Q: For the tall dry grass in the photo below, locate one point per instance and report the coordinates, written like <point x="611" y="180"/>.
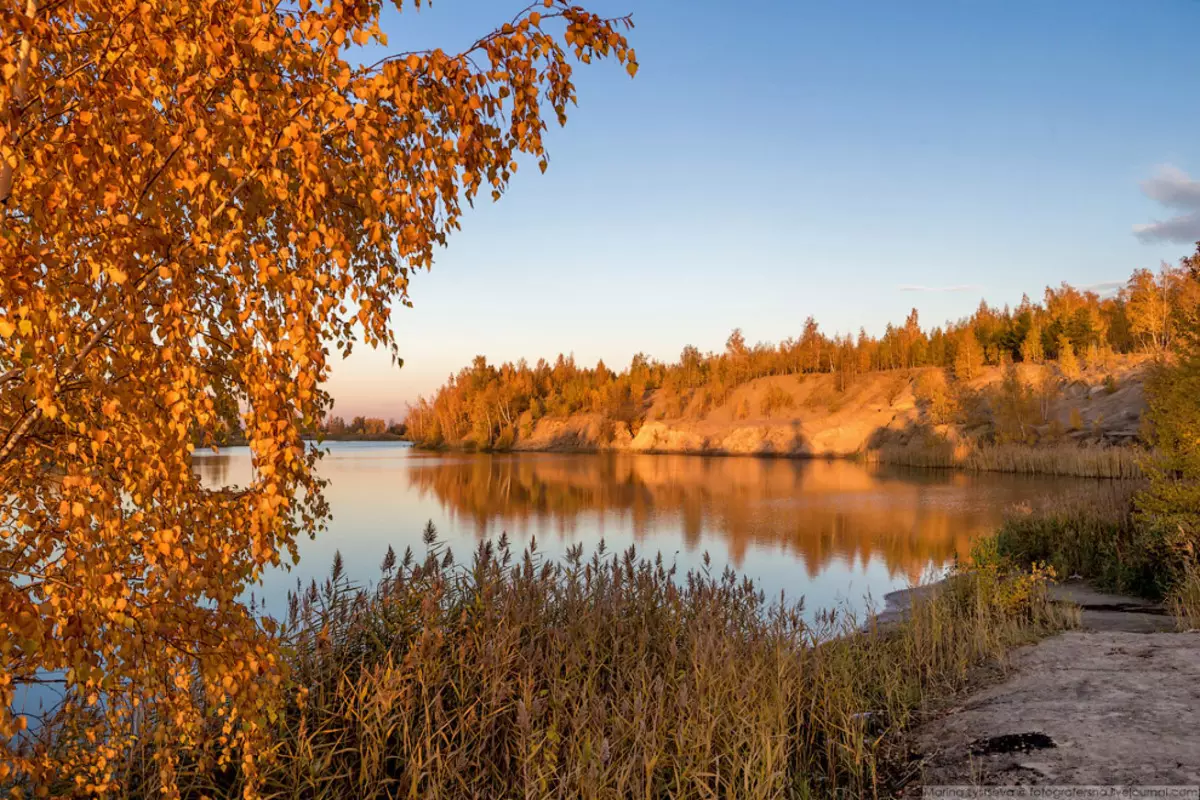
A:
<point x="606" y="677"/>
<point x="1081" y="461"/>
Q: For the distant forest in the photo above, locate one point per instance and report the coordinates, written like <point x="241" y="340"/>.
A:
<point x="229" y="431"/>
<point x="360" y="427"/>
<point x="491" y="406"/>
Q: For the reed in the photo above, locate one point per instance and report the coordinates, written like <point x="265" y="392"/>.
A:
<point x="1081" y="461"/>
<point x="608" y="677"/>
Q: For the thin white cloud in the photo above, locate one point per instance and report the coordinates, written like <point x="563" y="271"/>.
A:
<point x="1105" y="287"/>
<point x="1171" y="187"/>
<point x="965" y="287"/>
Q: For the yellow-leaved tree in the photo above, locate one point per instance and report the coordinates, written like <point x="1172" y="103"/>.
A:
<point x="199" y="201"/>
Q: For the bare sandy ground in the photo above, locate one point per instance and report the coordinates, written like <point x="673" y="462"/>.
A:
<point x="1116" y="702"/>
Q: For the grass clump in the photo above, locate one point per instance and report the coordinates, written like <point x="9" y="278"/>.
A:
<point x="1183" y="600"/>
<point x="607" y="677"/>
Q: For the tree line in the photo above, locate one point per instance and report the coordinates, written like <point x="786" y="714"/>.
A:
<point x="491" y="406"/>
<point x="335" y="426"/>
<point x="231" y="431"/>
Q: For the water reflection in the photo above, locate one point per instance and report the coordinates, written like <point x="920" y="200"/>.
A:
<point x="833" y="531"/>
<point x="815" y="511"/>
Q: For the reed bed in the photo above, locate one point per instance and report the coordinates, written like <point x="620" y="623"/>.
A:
<point x="1080" y="461"/>
<point x="610" y="676"/>
<point x="1093" y="536"/>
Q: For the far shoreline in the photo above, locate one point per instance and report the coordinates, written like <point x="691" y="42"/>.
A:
<point x="241" y="441"/>
<point x="1074" y="461"/>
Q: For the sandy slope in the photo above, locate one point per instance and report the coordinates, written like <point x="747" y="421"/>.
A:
<point x="874" y="410"/>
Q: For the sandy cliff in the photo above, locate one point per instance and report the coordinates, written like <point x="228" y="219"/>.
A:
<point x="874" y="411"/>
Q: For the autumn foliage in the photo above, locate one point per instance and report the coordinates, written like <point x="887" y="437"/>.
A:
<point x="1170" y="508"/>
<point x="486" y="406"/>
<point x="200" y="201"/>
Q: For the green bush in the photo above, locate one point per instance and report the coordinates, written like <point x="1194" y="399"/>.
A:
<point x="1104" y="541"/>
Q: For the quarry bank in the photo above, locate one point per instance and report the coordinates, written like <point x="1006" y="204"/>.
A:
<point x="879" y="413"/>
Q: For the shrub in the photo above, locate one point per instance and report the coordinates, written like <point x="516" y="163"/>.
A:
<point x="1097" y="540"/>
<point x="525" y="425"/>
<point x="505" y="440"/>
<point x="776" y="399"/>
<point x="933" y="391"/>
<point x="1015" y="409"/>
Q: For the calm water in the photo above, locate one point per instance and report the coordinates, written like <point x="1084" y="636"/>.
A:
<point x="834" y="532"/>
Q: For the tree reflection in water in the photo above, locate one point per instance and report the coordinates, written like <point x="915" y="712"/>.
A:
<point x="818" y="510"/>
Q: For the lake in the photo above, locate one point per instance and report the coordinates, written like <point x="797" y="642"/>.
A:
<point x="833" y="532"/>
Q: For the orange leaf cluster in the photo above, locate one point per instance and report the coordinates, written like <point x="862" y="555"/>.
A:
<point x="201" y="199"/>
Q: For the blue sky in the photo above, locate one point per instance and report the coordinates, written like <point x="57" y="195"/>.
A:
<point x="778" y="159"/>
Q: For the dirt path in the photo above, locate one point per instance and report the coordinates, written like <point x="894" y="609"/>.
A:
<point x="1116" y="702"/>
